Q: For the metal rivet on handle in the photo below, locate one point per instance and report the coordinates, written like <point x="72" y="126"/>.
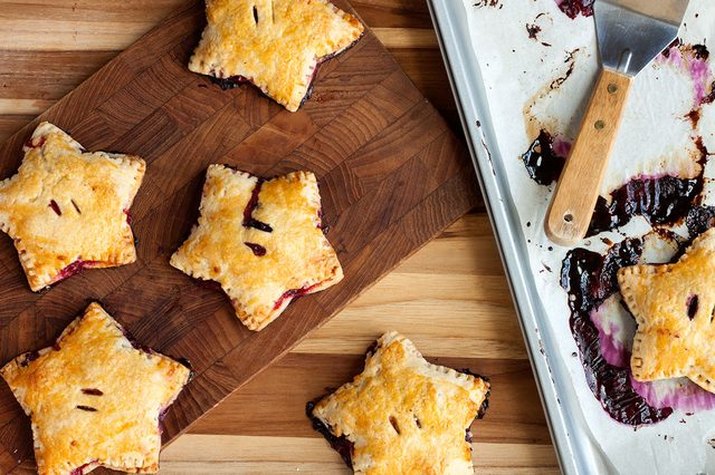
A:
<point x="568" y="218"/>
<point x="599" y="124"/>
<point x="612" y="88"/>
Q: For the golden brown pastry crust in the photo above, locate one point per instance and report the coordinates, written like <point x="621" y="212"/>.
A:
<point x="66" y="206"/>
<point x="297" y="257"/>
<point x="280" y="50"/>
<point x="663" y="298"/>
<point x="403" y="414"/>
<point x="94" y="399"/>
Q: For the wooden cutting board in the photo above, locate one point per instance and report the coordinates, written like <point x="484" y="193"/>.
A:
<point x="392" y="176"/>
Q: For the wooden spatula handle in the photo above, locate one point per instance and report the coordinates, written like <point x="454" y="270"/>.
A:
<point x="576" y="194"/>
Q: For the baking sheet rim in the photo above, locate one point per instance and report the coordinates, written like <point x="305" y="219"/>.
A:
<point x="577" y="452"/>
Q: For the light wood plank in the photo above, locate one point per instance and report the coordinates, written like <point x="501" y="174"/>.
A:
<point x="80" y="35"/>
<point x="212" y="454"/>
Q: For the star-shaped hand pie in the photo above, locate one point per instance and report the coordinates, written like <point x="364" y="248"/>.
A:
<point x="261" y="240"/>
<point x="674" y="306"/>
<point x="275" y="44"/>
<point x="403" y="414"/>
<point x="94" y="399"/>
<point x="67" y="209"/>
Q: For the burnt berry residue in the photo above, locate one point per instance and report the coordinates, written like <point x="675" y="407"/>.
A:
<point x="542" y="163"/>
<point x="574" y="8"/>
<point x="590" y="278"/>
<point x="533" y="30"/>
<point x="700" y="219"/>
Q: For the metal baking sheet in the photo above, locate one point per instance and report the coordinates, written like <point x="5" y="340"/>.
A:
<point x="576" y="453"/>
<point x="506" y="68"/>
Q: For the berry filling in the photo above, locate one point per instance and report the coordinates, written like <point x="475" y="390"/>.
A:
<point x="75" y="268"/>
<point x="248" y="220"/>
<point x="294" y="294"/>
<point x="81" y="470"/>
<point x="341" y="444"/>
<point x="129" y="216"/>
<point x="230" y="82"/>
<point x="92" y="392"/>
<point x="87" y="408"/>
<point x="36" y="143"/>
<point x="257" y="249"/>
<point x="29" y="358"/>
<point x="55" y="207"/>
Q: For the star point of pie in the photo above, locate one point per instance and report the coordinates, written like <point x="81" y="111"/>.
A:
<point x="262" y="241"/>
<point x="94" y="399"/>
<point x="67" y="209"/>
<point x="674" y="306"/>
<point x="403" y="414"/>
<point x="275" y="44"/>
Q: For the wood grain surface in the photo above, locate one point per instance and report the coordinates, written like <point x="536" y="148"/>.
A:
<point x="451" y="297"/>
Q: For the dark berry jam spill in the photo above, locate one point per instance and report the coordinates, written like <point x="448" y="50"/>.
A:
<point x="590" y="278"/>
<point x="542" y="163"/>
<point x="87" y="408"/>
<point x="248" y="220"/>
<point x="340" y="444"/>
<point x="660" y="200"/>
<point x="574" y="8"/>
<point x="55" y="207"/>
<point x="257" y="249"/>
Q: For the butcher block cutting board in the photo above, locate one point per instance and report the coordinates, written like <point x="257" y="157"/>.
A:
<point x="392" y="177"/>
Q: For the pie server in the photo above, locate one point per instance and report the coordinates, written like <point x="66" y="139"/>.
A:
<point x="630" y="34"/>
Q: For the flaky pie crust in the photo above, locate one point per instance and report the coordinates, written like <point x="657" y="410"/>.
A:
<point x="403" y="414"/>
<point x="662" y="298"/>
<point x="95" y="400"/>
<point x="275" y="44"/>
<point x="297" y="254"/>
<point x="65" y="205"/>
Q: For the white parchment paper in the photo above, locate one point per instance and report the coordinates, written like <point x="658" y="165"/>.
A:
<point x="656" y="138"/>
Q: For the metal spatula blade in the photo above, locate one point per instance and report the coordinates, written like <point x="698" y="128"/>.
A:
<point x="631" y="33"/>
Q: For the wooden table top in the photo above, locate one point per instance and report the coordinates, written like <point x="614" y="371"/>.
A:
<point x="451" y="298"/>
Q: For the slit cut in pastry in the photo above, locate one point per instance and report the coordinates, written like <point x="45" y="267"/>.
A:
<point x="674" y="306"/>
<point x="403" y="414"/>
<point x="274" y="44"/>
<point x="67" y="209"/>
<point x="261" y="240"/>
<point x="95" y="398"/>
